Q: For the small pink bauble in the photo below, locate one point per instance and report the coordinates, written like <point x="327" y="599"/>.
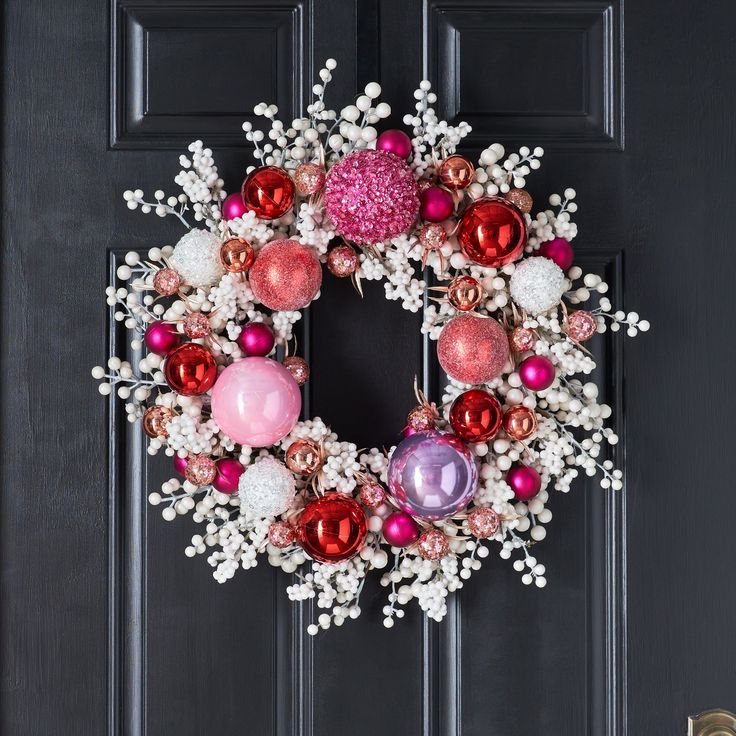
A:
<point x="396" y="142"/>
<point x="229" y="471"/>
<point x="233" y="206"/>
<point x="435" y="204"/>
<point x="524" y="481"/>
<point x="256" y="338"/>
<point x="161" y="338"/>
<point x="537" y="372"/>
<point x="180" y="464"/>
<point x="400" y="529"/>
<point x="558" y="250"/>
<point x="256" y="402"/>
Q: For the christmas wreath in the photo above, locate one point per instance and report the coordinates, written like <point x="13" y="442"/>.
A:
<point x="218" y="388"/>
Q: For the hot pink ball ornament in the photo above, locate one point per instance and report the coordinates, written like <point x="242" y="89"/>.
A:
<point x="400" y="529"/>
<point x="161" y="338"/>
<point x="396" y="142"/>
<point x="524" y="481"/>
<point x="558" y="250"/>
<point x="256" y="339"/>
<point x="180" y="464"/>
<point x="537" y="372"/>
<point x="229" y="471"/>
<point x="233" y="206"/>
<point x="256" y="401"/>
<point x="435" y="204"/>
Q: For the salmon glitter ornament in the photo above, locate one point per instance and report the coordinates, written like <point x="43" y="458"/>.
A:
<point x="580" y="325"/>
<point x="309" y="178"/>
<point x="298" y="367"/>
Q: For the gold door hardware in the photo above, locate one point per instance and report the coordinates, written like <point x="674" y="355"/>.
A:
<point x="712" y="723"/>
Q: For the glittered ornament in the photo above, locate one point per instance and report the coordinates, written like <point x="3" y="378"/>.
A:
<point x="269" y="192"/>
<point x="519" y="423"/>
<point x="435" y="204"/>
<point x="256" y="338"/>
<point x="196" y="325"/>
<point x="483" y="522"/>
<point x="472" y="349"/>
<point x="400" y="530"/>
<point x="166" y="281"/>
<point x="228" y="475"/>
<point x="332" y="528"/>
<point x="432" y="475"/>
<point x="558" y="250"/>
<point x="233" y="206"/>
<point x="464" y="293"/>
<point x="524" y="481"/>
<point x="237" y="255"/>
<point x="155" y="419"/>
<point x="190" y="370"/>
<point x="161" y="337"/>
<point x="421" y="417"/>
<point x="521" y="339"/>
<point x="456" y="172"/>
<point x="201" y="470"/>
<point x="537" y="372"/>
<point x="286" y="275"/>
<point x="537" y="285"/>
<point x="266" y="488"/>
<point x="281" y="534"/>
<point x="492" y="232"/>
<point x="396" y="142"/>
<point x="371" y="196"/>
<point x="432" y="236"/>
<point x="521" y="199"/>
<point x="433" y="545"/>
<point x="309" y="178"/>
<point x="475" y="416"/>
<point x="303" y="457"/>
<point x="342" y="261"/>
<point x="580" y="325"/>
<point x="371" y="495"/>
<point x="298" y="367"/>
<point x="196" y="258"/>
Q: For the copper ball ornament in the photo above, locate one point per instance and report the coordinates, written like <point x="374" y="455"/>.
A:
<point x="464" y="293"/>
<point x="475" y="416"/>
<point x="519" y="423"/>
<point x="332" y="528"/>
<point x="298" y="367"/>
<point x="456" y="172"/>
<point x="167" y="281"/>
<point x="269" y="192"/>
<point x="521" y="198"/>
<point x="190" y="370"/>
<point x="580" y="325"/>
<point x="155" y="419"/>
<point x="342" y="261"/>
<point x="237" y="255"/>
<point x="309" y="178"/>
<point x="492" y="232"/>
<point x="303" y="457"/>
<point x="201" y="470"/>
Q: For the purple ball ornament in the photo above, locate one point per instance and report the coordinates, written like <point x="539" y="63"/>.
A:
<point x="400" y="530"/>
<point x="180" y="464"/>
<point x="396" y="142"/>
<point x="229" y="471"/>
<point x="537" y="372"/>
<point x="435" y="204"/>
<point x="256" y="339"/>
<point x="524" y="481"/>
<point x="432" y="475"/>
<point x="233" y="206"/>
<point x="161" y="338"/>
<point x="558" y="250"/>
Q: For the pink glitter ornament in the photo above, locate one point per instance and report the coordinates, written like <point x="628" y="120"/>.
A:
<point x="396" y="142"/>
<point x="432" y="236"/>
<point x="436" y="204"/>
<point x="433" y="545"/>
<point x="233" y="206"/>
<point x="524" y="481"/>
<point x="298" y="367"/>
<point x="371" y="196"/>
<point x="558" y="250"/>
<point x="342" y="261"/>
<point x="309" y="179"/>
<point x="521" y="339"/>
<point x="421" y="418"/>
<point x="166" y="281"/>
<point x="229" y="471"/>
<point x="161" y="337"/>
<point x="483" y="522"/>
<point x="256" y="338"/>
<point x="537" y="372"/>
<point x="580" y="325"/>
<point x="197" y="325"/>
<point x="400" y="529"/>
<point x="372" y="495"/>
<point x="201" y="470"/>
<point x="281" y="534"/>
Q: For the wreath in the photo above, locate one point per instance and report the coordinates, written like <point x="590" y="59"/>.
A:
<point x="516" y="421"/>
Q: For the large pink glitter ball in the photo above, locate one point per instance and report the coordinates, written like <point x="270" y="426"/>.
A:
<point x="472" y="349"/>
<point x="371" y="196"/>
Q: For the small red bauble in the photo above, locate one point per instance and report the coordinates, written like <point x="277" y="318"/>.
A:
<point x="520" y="423"/>
<point x="475" y="416"/>
<point x="435" y="204"/>
<point x="492" y="232"/>
<point x="332" y="528"/>
<point x="190" y="370"/>
<point x="269" y="192"/>
<point x="537" y="372"/>
<point x="558" y="250"/>
<point x="524" y="481"/>
<point x="237" y="255"/>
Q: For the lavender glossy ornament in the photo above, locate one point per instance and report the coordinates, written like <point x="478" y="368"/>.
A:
<point x="432" y="475"/>
<point x="229" y="471"/>
<point x="537" y="372"/>
<point x="400" y="530"/>
<point x="396" y="142"/>
<point x="435" y="204"/>
<point x="233" y="206"/>
<point x="256" y="339"/>
<point x="161" y="338"/>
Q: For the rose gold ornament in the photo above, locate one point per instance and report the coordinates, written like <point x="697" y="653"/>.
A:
<point x="303" y="457"/>
<point x="155" y="419"/>
<point x="201" y="470"/>
<point x="433" y="545"/>
<point x="483" y="522"/>
<point x="464" y="293"/>
<point x="166" y="281"/>
<point x="342" y="261"/>
<point x="237" y="255"/>
<point x="521" y="198"/>
<point x="309" y="179"/>
<point x="196" y="325"/>
<point x="519" y="423"/>
<point x="456" y="172"/>
<point x="521" y="339"/>
<point x="421" y="418"/>
<point x="298" y="367"/>
<point x="580" y="325"/>
<point x="372" y="495"/>
<point x="432" y="236"/>
<point x="281" y="534"/>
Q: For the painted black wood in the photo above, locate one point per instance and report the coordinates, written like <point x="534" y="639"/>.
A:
<point x="106" y="628"/>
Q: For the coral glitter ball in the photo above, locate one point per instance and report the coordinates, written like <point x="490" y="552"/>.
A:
<point x="492" y="232"/>
<point x="332" y="528"/>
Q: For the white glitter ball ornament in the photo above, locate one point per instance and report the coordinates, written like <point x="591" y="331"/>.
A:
<point x="196" y="258"/>
<point x="537" y="284"/>
<point x="266" y="489"/>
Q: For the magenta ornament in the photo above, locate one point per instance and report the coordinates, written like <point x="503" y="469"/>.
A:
<point x="161" y="338"/>
<point x="229" y="471"/>
<point x="256" y="401"/>
<point x="558" y="250"/>
<point x="524" y="481"/>
<point x="180" y="464"/>
<point x="256" y="339"/>
<point x="432" y="475"/>
<point x="400" y="530"/>
<point x="537" y="372"/>
<point x="233" y="206"/>
<point x="396" y="142"/>
<point x="435" y="204"/>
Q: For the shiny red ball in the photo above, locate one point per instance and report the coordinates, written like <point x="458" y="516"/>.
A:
<point x="492" y="232"/>
<point x="190" y="370"/>
<point x="332" y="528"/>
<point x="269" y="192"/>
<point x="476" y="416"/>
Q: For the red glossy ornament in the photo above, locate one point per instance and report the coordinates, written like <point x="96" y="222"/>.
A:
<point x="190" y="370"/>
<point x="492" y="232"/>
<point x="269" y="192"/>
<point x="475" y="416"/>
<point x="332" y="528"/>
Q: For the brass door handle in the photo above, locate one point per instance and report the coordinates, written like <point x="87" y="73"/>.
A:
<point x="712" y="723"/>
